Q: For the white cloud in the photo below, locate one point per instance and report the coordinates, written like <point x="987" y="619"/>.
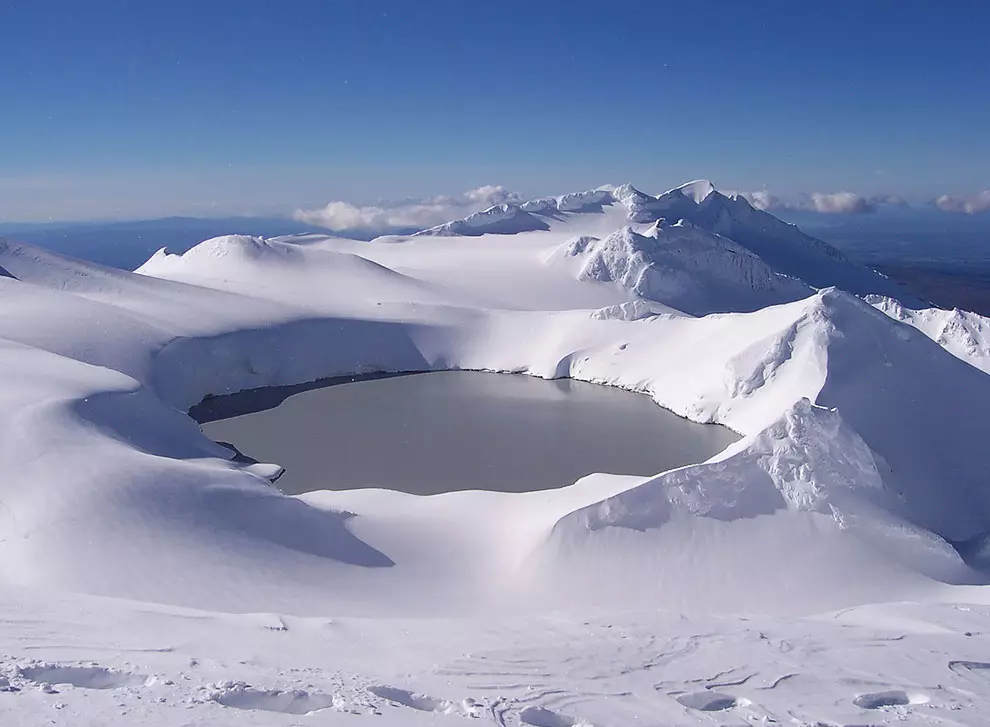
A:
<point x="970" y="206"/>
<point x="845" y="203"/>
<point x="888" y="200"/>
<point x="763" y="200"/>
<point x="404" y="214"/>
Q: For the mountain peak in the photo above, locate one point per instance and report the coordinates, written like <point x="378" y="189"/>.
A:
<point x="698" y="190"/>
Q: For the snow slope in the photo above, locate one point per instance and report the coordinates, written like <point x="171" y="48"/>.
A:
<point x="962" y="333"/>
<point x="175" y="585"/>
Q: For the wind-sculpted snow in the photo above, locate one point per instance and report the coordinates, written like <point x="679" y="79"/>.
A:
<point x="684" y="267"/>
<point x="632" y="311"/>
<point x="806" y="461"/>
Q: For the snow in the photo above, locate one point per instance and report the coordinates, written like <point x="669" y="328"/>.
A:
<point x="590" y="201"/>
<point x="962" y="333"/>
<point x="683" y="267"/>
<point x="502" y="219"/>
<point x="699" y="190"/>
<point x="145" y="577"/>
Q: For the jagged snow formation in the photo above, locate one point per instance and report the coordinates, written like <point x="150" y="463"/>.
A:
<point x="964" y="334"/>
<point x="678" y="264"/>
<point x="860" y="477"/>
<point x="591" y="201"/>
<point x="781" y="245"/>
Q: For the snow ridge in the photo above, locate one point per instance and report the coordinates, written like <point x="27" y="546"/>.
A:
<point x="781" y="246"/>
<point x="808" y="460"/>
<point x="962" y="333"/>
<point x="502" y="219"/>
<point x="685" y="267"/>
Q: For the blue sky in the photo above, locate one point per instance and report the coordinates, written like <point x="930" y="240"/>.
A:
<point x="130" y="109"/>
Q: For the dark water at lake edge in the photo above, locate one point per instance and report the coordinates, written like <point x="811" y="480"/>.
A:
<point x="455" y="430"/>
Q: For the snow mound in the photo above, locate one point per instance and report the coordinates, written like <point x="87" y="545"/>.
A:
<point x="233" y="249"/>
<point x="283" y="267"/>
<point x="502" y="219"/>
<point x="240" y="254"/>
<point x="684" y="267"/>
<point x="245" y="247"/>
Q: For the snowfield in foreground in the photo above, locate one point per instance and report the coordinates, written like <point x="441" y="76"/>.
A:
<point x="826" y="569"/>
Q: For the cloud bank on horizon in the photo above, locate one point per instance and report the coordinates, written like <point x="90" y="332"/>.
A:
<point x="341" y="216"/>
<point x="842" y="203"/>
<point x="850" y="203"/>
<point x="970" y="206"/>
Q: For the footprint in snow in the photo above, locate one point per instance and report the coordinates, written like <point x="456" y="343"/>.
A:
<point x="242" y="696"/>
<point x="889" y="698"/>
<point x="405" y="698"/>
<point x="83" y="677"/>
<point x="542" y="717"/>
<point x="707" y="701"/>
<point x="975" y="668"/>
